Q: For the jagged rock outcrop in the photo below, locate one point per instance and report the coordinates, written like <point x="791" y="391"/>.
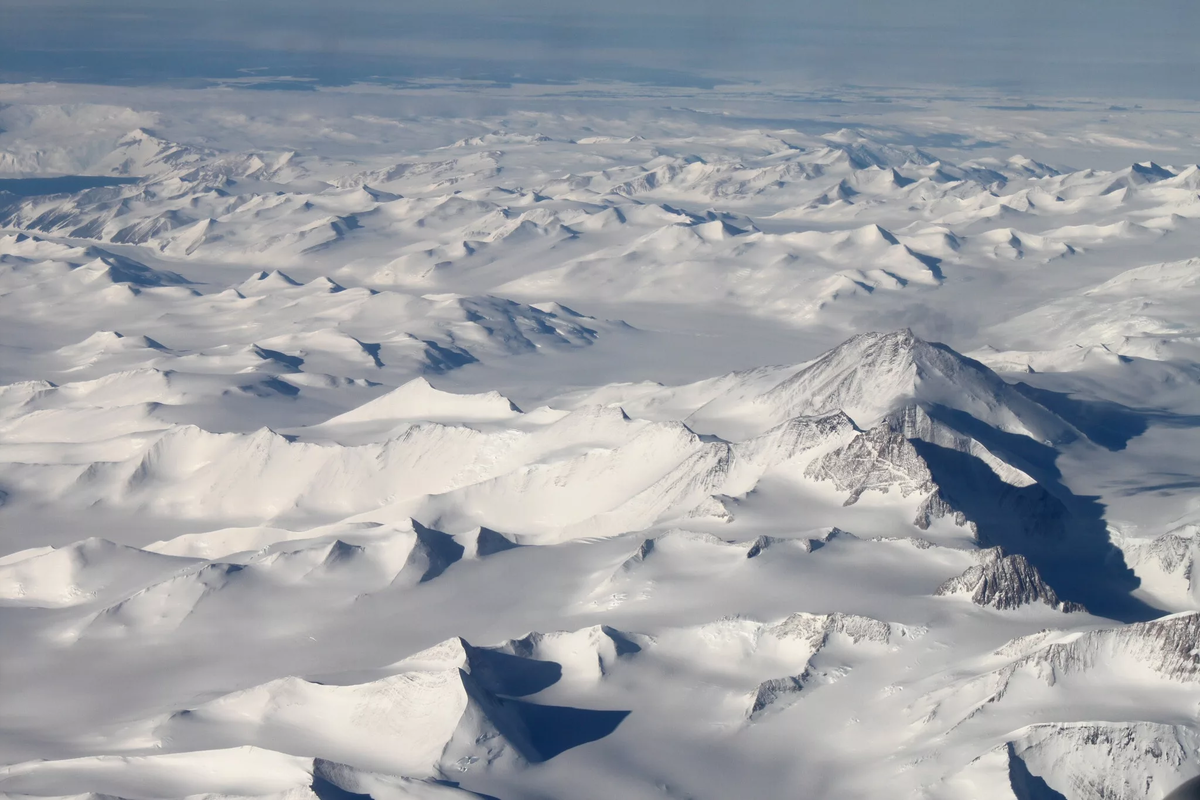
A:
<point x="815" y="632"/>
<point x="771" y="692"/>
<point x="1006" y="582"/>
<point x="913" y="453"/>
<point x="876" y="460"/>
<point x="1175" y="551"/>
<point x="1165" y="647"/>
<point x="816" y="629"/>
<point x="793" y="437"/>
<point x="880" y="460"/>
<point x="1166" y="565"/>
<point x="808" y="545"/>
<point x="1110" y="760"/>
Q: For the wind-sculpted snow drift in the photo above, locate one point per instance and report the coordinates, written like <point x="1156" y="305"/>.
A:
<point x="311" y="485"/>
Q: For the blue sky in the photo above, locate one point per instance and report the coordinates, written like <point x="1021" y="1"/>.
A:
<point x="1096" y="47"/>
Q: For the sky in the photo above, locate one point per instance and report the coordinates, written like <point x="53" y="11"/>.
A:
<point x="1050" y="47"/>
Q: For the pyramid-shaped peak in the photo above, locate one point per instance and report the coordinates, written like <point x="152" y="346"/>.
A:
<point x="1006" y="581"/>
<point x="101" y="339"/>
<point x="325" y="284"/>
<point x="453" y="653"/>
<point x="1151" y="171"/>
<point x="275" y="279"/>
<point x="873" y="374"/>
<point x="873" y="234"/>
<point x="138" y="135"/>
<point x="845" y="136"/>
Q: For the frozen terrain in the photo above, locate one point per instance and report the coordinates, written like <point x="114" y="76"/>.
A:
<point x="597" y="441"/>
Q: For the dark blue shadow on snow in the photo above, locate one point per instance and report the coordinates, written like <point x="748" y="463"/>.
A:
<point x="512" y="676"/>
<point x="555" y="729"/>
<point x="1062" y="534"/>
<point x="1188" y="791"/>
<point x="1108" y="424"/>
<point x="326" y="790"/>
<point x="1026" y="785"/>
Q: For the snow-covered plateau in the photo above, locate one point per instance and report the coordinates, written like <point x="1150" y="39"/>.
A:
<point x="597" y="441"/>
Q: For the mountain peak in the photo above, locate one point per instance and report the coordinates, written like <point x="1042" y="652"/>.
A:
<point x="873" y="374"/>
<point x="1005" y="582"/>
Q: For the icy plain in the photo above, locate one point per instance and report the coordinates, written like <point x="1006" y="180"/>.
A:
<point x="597" y="441"/>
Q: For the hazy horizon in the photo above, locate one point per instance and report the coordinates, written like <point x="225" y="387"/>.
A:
<point x="1070" y="47"/>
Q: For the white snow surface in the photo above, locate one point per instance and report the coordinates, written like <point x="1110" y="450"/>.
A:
<point x="597" y="441"/>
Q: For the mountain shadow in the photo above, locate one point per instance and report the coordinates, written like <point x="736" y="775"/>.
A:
<point x="441" y="549"/>
<point x="1026" y="785"/>
<point x="1035" y="458"/>
<point x="1108" y="424"/>
<point x="325" y="789"/>
<point x="555" y="729"/>
<point x="1060" y="533"/>
<point x="512" y="676"/>
<point x="1188" y="791"/>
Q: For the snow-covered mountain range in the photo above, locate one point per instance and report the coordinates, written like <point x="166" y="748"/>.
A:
<point x="643" y="450"/>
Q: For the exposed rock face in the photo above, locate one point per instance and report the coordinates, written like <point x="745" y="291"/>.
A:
<point x="889" y="456"/>
<point x="1166" y="647"/>
<point x="902" y="387"/>
<point x="1167" y="565"/>
<point x="816" y="631"/>
<point x="883" y="459"/>
<point x="914" y="422"/>
<point x="1110" y="761"/>
<point x="817" y="628"/>
<point x="913" y="453"/>
<point x="1084" y="761"/>
<point x="877" y="460"/>
<point x="760" y="544"/>
<point x="771" y="692"/>
<point x="1005" y="582"/>
<point x="793" y="437"/>
<point x="1176" y="552"/>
